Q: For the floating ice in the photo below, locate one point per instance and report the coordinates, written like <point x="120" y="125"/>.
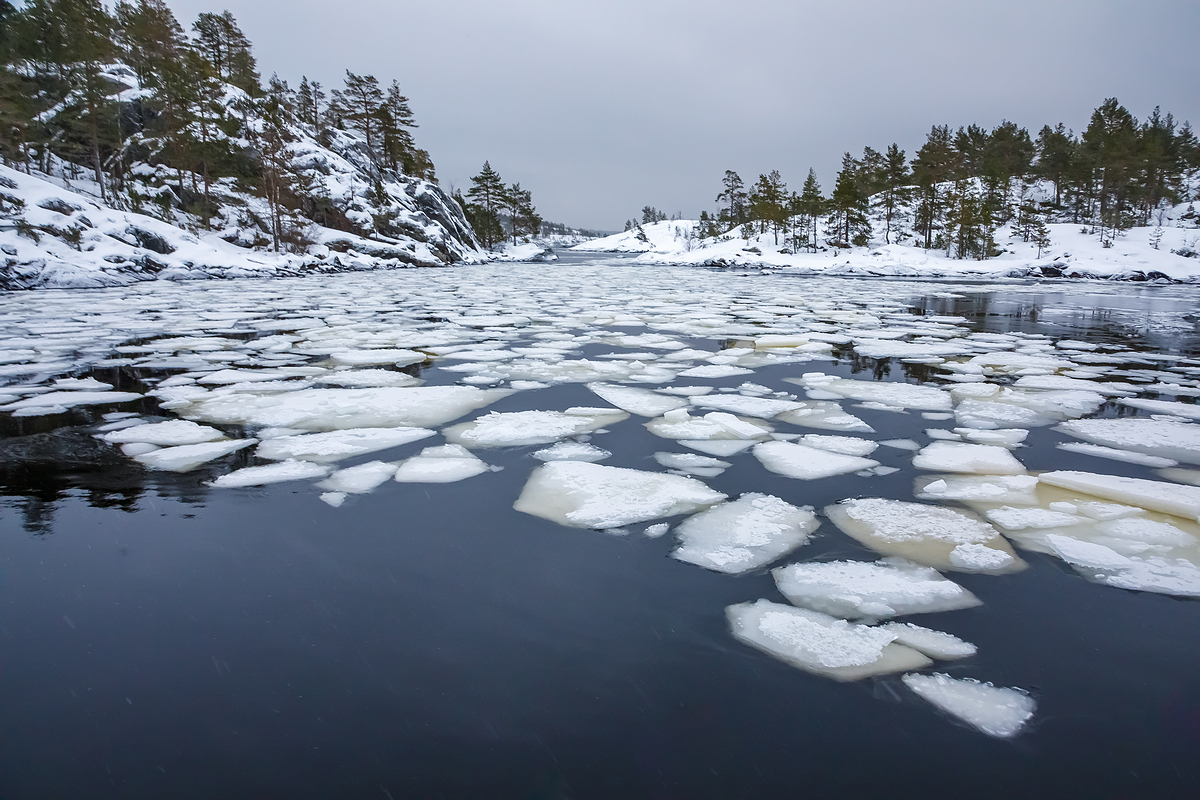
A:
<point x="819" y="643"/>
<point x="572" y="451"/>
<point x="165" y="434"/>
<point x="134" y="449"/>
<point x="334" y="499"/>
<point x="1011" y="518"/>
<point x="700" y="466"/>
<point x="358" y="479"/>
<point x="1186" y="410"/>
<point x="1017" y="489"/>
<point x="1169" y="498"/>
<point x="937" y="537"/>
<point x="901" y="444"/>
<point x="747" y="406"/>
<point x="935" y="644"/>
<point x="642" y="402"/>
<point x="1010" y="438"/>
<point x="825" y="416"/>
<point x="1179" y="441"/>
<point x="517" y="428"/>
<point x="856" y="589"/>
<point x="678" y="424"/>
<point x="67" y="400"/>
<point x="807" y="463"/>
<point x="745" y="534"/>
<point x="971" y="458"/>
<point x="1105" y="565"/>
<point x="595" y="496"/>
<point x="366" y="358"/>
<point x="186" y="458"/>
<point x="992" y="710"/>
<point x="719" y="447"/>
<point x="272" y="473"/>
<point x="341" y="409"/>
<point x="898" y="395"/>
<point x="1112" y="454"/>
<point x="656" y="530"/>
<point x="336" y="445"/>
<point x="846" y="445"/>
<point x="81" y="385"/>
<point x="446" y="464"/>
<point x="714" y="371"/>
<point x="366" y="378"/>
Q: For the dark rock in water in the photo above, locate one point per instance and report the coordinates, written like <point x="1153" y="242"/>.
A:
<point x="66" y="448"/>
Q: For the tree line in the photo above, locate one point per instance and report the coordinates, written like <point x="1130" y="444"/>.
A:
<point x="60" y="75"/>
<point x="962" y="185"/>
<point x="497" y="210"/>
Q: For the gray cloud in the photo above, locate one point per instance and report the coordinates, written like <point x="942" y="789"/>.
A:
<point x="603" y="107"/>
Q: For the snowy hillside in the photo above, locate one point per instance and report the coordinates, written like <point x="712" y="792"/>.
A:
<point x="665" y="237"/>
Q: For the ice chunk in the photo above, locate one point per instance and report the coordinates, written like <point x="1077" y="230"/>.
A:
<point x="341" y="409"/>
<point x="819" y="643"/>
<point x="1012" y="489"/>
<point x="807" y="463"/>
<point x="165" y="434"/>
<point x="972" y="458"/>
<point x="719" y="447"/>
<point x="1169" y="498"/>
<point x="897" y="395"/>
<point x="359" y="479"/>
<point x="517" y="428"/>
<point x="365" y="358"/>
<point x="992" y="710"/>
<point x="1149" y="574"/>
<point x="714" y="371"/>
<point x="901" y="444"/>
<point x="595" y="496"/>
<point x="880" y="589"/>
<point x="1189" y="476"/>
<point x="928" y="535"/>
<point x="825" y="416"/>
<point x="40" y="403"/>
<point x="1179" y="441"/>
<point x="363" y="378"/>
<point x="572" y="451"/>
<point x="1127" y="456"/>
<point x="334" y="499"/>
<point x="846" y="445"/>
<point x="745" y="534"/>
<point x="188" y="457"/>
<point x="82" y="385"/>
<point x="701" y="466"/>
<point x="134" y="449"/>
<point x="272" y="473"/>
<point x="334" y="446"/>
<point x="656" y="530"/>
<point x="445" y="464"/>
<point x="1010" y="437"/>
<point x="935" y="644"/>
<point x="679" y="424"/>
<point x="642" y="402"/>
<point x="761" y="407"/>
<point x="1018" y="519"/>
<point x="1186" y="410"/>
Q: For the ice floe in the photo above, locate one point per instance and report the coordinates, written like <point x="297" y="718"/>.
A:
<point x="572" y="451"/>
<point x="969" y="458"/>
<point x="942" y="538"/>
<point x="679" y="424"/>
<point x="188" y="457"/>
<point x="890" y="587"/>
<point x="583" y="495"/>
<point x="1178" y="441"/>
<point x="744" y="534"/>
<point x="1169" y="498"/>
<point x="998" y="712"/>
<point x="819" y="643"/>
<point x="935" y="644"/>
<point x="272" y="473"/>
<point x="337" y="445"/>
<point x="808" y="463"/>
<point x="642" y="402"/>
<point x="165" y="434"/>
<point x="359" y="479"/>
<point x="518" y="428"/>
<point x="691" y="464"/>
<point x="446" y="464"/>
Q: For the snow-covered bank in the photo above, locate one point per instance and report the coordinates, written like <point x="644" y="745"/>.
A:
<point x="1074" y="253"/>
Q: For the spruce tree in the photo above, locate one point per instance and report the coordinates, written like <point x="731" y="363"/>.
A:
<point x="810" y="207"/>
<point x="894" y="191"/>
<point x="935" y="163"/>
<point x="734" y="198"/>
<point x="488" y="193"/>
<point x="153" y="39"/>
<point x="222" y="42"/>
<point x="848" y="222"/>
<point x="1055" y="150"/>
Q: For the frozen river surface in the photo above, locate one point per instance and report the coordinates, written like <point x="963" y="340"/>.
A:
<point x="589" y="530"/>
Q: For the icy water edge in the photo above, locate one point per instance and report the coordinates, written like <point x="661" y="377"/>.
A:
<point x="161" y="637"/>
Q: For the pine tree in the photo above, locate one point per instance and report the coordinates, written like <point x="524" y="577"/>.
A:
<point x="1055" y="151"/>
<point x="935" y="163"/>
<point x="358" y="106"/>
<point x="768" y="203"/>
<point x="222" y="42"/>
<point x="848" y="223"/>
<point x="153" y="39"/>
<point x="1111" y="141"/>
<point x="894" y="191"/>
<point x="1039" y="233"/>
<point x="488" y="193"/>
<point x="810" y="207"/>
<point x="735" y="199"/>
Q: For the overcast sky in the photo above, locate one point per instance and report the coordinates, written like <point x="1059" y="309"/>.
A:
<point x="601" y="108"/>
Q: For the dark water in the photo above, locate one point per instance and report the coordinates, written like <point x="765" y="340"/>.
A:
<point x="161" y="639"/>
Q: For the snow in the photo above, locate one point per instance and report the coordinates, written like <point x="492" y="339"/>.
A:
<point x="582" y="495"/>
<point x="880" y="589"/>
<point x="807" y="463"/>
<point x="529" y="427"/>
<point x="572" y="451"/>
<point x="744" y="534"/>
<point x="446" y="464"/>
<point x="970" y="458"/>
<point x="164" y="434"/>
<point x="359" y="479"/>
<point x="186" y="458"/>
<point x="1169" y="498"/>
<point x="337" y="445"/>
<point x="998" y="712"/>
<point x="819" y="643"/>
<point x="942" y="538"/>
<point x="272" y="473"/>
